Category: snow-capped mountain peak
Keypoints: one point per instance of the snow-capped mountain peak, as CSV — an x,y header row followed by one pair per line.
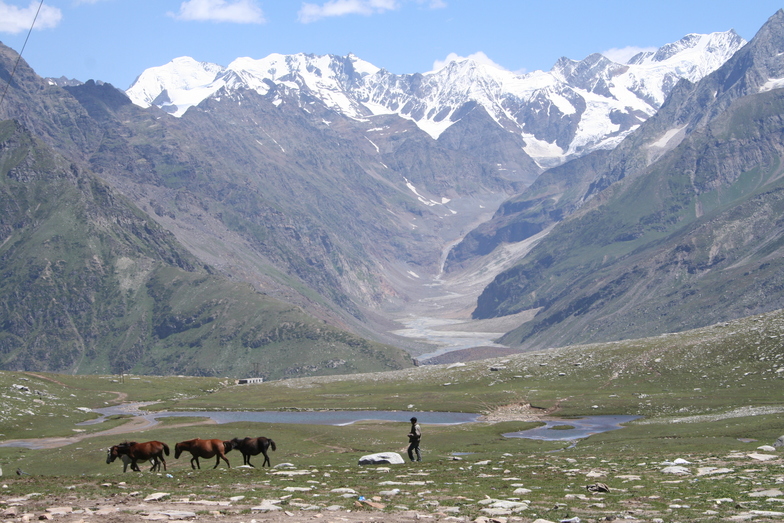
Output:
x,y
576,107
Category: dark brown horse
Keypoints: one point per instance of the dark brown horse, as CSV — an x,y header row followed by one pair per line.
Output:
x,y
149,450
204,448
253,447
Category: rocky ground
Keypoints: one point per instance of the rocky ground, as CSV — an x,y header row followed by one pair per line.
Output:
x,y
750,486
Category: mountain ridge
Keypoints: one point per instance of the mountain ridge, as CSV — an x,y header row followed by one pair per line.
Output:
x,y
594,102
659,239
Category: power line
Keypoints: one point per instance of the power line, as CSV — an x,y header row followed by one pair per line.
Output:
x,y
18,58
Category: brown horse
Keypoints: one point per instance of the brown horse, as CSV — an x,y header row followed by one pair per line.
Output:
x,y
204,448
253,447
149,450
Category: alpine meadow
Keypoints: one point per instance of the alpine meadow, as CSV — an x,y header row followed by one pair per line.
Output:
x,y
525,249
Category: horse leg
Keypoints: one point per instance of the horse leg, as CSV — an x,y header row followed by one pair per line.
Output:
x,y
246,457
266,459
155,464
163,461
196,460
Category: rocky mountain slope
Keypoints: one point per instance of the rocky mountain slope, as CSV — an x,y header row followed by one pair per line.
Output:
x,y
287,189
92,284
678,227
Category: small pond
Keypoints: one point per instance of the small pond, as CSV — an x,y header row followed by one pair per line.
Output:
x,y
314,417
554,430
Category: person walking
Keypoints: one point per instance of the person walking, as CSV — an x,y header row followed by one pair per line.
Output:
x,y
413,441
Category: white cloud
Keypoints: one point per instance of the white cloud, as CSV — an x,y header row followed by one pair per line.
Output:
x,y
624,54
312,12
18,19
478,57
237,11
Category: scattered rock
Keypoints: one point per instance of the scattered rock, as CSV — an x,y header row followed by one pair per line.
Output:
x,y
157,496
172,514
343,490
706,471
267,505
382,458
770,493
762,457
59,510
675,470
284,465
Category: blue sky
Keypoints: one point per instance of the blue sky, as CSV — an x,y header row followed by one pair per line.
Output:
x,y
115,40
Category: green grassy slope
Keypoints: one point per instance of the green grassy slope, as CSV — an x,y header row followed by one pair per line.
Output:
x,y
92,284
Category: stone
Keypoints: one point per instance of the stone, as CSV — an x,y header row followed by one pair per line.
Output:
x,y
767,448
59,510
675,470
284,465
156,496
762,457
382,458
770,493
267,505
177,514
343,490
706,471
290,473
779,442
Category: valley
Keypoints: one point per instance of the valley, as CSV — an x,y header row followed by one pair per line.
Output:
x,y
709,403
438,312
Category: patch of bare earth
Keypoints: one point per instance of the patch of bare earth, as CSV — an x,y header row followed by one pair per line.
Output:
x,y
517,412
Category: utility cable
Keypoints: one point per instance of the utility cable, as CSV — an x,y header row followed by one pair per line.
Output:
x,y
18,58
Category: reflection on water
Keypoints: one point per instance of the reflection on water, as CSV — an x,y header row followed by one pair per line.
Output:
x,y
583,427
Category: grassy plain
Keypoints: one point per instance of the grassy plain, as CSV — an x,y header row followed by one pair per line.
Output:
x,y
710,397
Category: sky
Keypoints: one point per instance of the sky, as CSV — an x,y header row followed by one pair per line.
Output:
x,y
116,40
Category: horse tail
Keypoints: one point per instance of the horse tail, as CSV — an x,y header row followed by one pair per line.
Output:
x,y
165,449
272,444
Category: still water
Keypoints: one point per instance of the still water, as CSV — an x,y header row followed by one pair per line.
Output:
x,y
583,427
325,417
